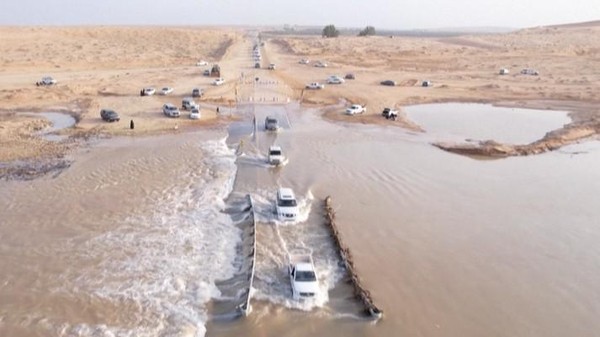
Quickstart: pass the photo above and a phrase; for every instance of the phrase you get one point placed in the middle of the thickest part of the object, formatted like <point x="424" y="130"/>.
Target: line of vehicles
<point x="301" y="269"/>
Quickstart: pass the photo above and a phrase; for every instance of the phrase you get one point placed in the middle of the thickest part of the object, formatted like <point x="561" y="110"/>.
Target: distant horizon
<point x="303" y="26"/>
<point x="382" y="14"/>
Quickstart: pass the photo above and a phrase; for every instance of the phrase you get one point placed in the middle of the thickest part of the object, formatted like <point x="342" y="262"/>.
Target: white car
<point x="303" y="277"/>
<point x="286" y="205"/>
<point x="201" y="63"/>
<point x="195" y="113"/>
<point x="334" y="79"/>
<point x="355" y="109"/>
<point x="149" y="91"/>
<point x="304" y="61"/>
<point x="275" y="155"/>
<point x="46" y="80"/>
<point x="170" y="110"/>
<point x="529" y="71"/>
<point x="218" y="81"/>
<point x="272" y="66"/>
<point x="166" y="90"/>
<point x="315" y="86"/>
<point x="188" y="103"/>
<point x="321" y="64"/>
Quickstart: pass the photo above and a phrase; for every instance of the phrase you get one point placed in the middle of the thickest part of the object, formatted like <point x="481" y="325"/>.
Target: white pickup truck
<point x="315" y="86"/>
<point x="355" y="109"/>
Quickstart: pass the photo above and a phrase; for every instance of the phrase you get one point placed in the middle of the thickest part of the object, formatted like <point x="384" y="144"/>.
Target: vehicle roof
<point x="285" y="193"/>
<point x="274" y="147"/>
<point x="169" y="105"/>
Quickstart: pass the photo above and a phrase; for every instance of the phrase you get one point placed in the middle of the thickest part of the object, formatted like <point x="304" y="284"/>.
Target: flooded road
<point x="130" y="240"/>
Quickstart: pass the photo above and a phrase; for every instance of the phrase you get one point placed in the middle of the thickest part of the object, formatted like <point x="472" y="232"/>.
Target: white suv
<point x="334" y="79"/>
<point x="286" y="205"/>
<point x="170" y="110"/>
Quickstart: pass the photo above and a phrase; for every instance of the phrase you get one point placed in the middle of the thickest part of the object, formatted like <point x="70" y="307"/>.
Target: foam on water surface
<point x="169" y="259"/>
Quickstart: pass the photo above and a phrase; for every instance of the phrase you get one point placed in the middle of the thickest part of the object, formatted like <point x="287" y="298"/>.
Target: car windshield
<point x="287" y="202"/>
<point x="275" y="153"/>
<point x="306" y="276"/>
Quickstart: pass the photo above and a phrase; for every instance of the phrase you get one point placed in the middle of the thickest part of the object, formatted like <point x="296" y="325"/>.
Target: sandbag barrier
<point x="360" y="292"/>
<point x="244" y="307"/>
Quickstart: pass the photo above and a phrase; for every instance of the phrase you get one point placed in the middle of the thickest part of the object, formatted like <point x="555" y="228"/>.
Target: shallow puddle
<point x="460" y="121"/>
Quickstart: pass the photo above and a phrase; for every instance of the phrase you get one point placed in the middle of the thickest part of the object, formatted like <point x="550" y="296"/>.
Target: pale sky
<point x="384" y="14"/>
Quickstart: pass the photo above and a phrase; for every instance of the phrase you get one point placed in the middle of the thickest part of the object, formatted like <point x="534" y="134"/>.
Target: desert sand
<point x="106" y="67"/>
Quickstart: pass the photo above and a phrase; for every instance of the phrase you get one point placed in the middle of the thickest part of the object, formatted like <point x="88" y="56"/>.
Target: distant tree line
<point x="331" y="31"/>
<point x="369" y="30"/>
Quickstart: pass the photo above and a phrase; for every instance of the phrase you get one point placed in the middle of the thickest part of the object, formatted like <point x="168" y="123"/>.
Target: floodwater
<point x="131" y="240"/>
<point x="59" y="121"/>
<point x="460" y="121"/>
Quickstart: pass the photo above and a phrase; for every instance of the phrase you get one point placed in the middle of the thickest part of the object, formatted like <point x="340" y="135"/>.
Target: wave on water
<point x="165" y="264"/>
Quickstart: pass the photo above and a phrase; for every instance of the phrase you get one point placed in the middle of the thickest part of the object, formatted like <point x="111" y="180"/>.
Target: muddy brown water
<point x="130" y="240"/>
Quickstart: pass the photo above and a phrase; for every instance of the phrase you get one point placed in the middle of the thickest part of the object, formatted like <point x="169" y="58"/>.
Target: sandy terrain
<point x="105" y="67"/>
<point x="461" y="69"/>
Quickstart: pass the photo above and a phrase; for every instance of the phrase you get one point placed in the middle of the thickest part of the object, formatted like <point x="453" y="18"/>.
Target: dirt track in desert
<point x="106" y="67"/>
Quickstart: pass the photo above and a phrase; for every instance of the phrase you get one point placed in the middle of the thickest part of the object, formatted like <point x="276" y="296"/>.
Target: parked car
<point x="355" y="109"/>
<point x="170" y="110"/>
<point x="350" y="76"/>
<point x="334" y="79"/>
<point x="201" y="63"/>
<point x="389" y="114"/>
<point x="304" y="61"/>
<point x="188" y="103"/>
<point x="286" y="205"/>
<point x="109" y="115"/>
<point x="257" y="65"/>
<point x="218" y="81"/>
<point x="195" y="113"/>
<point x="166" y="90"/>
<point x="46" y="80"/>
<point x="275" y="156"/>
<point x="389" y="83"/>
<point x="426" y="84"/>
<point x="529" y="71"/>
<point x="197" y="92"/>
<point x="315" y="86"/>
<point x="504" y="71"/>
<point x="321" y="64"/>
<point x="271" y="123"/>
<point x="303" y="277"/>
<point x="206" y="72"/>
<point x="148" y="91"/>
